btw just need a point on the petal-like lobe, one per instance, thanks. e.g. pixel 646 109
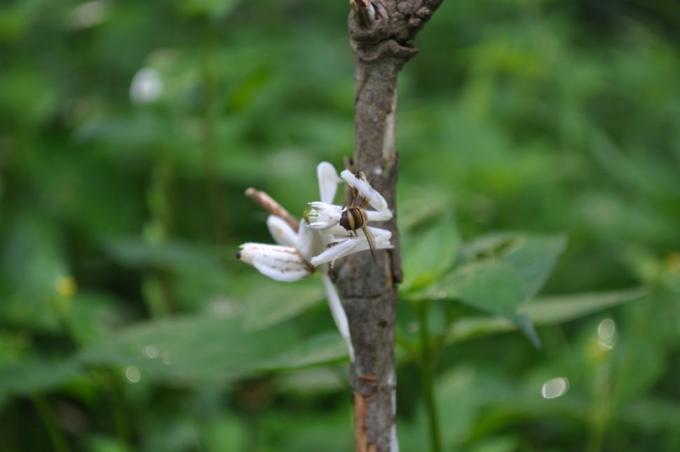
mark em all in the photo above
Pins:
pixel 323 215
pixel 309 241
pixel 374 198
pixel 328 181
pixel 281 231
pixel 337 251
pixel 344 246
pixel 281 263
pixel 378 215
pixel 338 312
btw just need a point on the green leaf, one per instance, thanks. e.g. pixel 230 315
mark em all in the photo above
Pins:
pixel 534 258
pixel 504 273
pixel 563 308
pixel 501 444
pixel 212 8
pixel 456 391
pixel 33 376
pixel 324 348
pixel 411 200
pixel 205 348
pixel 228 432
pixel 93 316
pixel 652 414
pixel 545 311
pixel 271 302
pixel 494 287
pixel 133 252
pixel 431 254
pixel 101 443
pixel 488 245
pixel 526 326
pixel 200 348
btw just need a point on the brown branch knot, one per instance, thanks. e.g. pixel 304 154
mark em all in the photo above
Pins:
pixel 390 28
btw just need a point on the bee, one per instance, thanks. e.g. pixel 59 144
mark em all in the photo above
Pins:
pixel 354 217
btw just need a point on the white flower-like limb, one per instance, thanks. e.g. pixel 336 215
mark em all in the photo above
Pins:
pixel 326 218
pixel 305 248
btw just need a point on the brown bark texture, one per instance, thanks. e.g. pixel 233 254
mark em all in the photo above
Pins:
pixel 381 36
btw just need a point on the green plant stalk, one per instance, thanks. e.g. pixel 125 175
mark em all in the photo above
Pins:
pixel 209 137
pixel 600 413
pixel 112 387
pixel 156 285
pixel 120 416
pixel 57 438
pixel 439 340
pixel 427 364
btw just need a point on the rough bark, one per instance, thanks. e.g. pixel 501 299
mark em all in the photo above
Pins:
pixel 381 34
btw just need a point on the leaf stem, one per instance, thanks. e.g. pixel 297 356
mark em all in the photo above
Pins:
pixel 439 340
pixel 210 110
pixel 116 394
pixel 57 438
pixel 109 384
pixel 427 364
pixel 158 228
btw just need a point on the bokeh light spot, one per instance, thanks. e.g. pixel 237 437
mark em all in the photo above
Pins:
pixel 555 388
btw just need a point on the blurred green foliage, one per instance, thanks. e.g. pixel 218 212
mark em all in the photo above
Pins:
pixel 129 130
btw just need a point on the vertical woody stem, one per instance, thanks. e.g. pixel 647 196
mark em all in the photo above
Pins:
pixel 368 288
pixel 381 33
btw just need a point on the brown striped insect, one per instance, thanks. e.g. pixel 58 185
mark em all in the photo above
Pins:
pixel 354 217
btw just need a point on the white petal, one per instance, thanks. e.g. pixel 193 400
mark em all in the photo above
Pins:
pixel 281 263
pixel 345 246
pixel 309 241
pixel 323 215
pixel 281 231
pixel 336 251
pixel 338 313
pixel 381 236
pixel 337 232
pixel 328 181
pixel 378 215
pixel 374 198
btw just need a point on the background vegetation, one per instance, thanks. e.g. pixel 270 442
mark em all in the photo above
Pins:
pixel 126 324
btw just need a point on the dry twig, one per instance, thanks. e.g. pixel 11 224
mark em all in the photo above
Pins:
pixel 270 205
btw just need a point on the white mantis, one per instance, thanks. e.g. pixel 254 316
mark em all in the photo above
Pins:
pixel 320 240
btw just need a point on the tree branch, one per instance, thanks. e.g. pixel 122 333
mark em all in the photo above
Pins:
pixel 270 205
pixel 381 34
